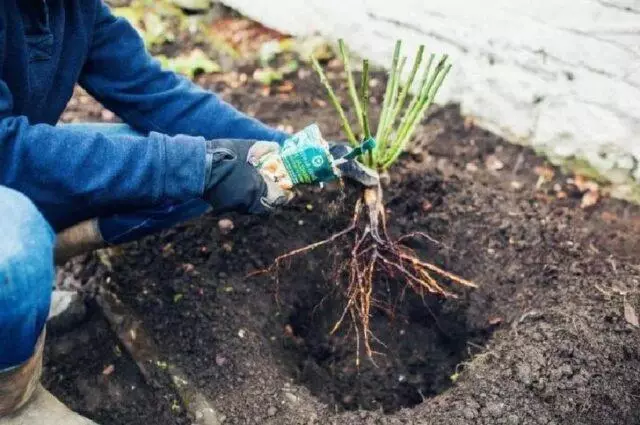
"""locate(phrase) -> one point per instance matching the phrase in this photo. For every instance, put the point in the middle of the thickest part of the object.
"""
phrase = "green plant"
(373, 253)
(398, 121)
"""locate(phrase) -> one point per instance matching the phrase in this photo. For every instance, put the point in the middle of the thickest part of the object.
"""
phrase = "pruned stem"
(387, 98)
(350, 83)
(334, 100)
(403, 95)
(407, 128)
(364, 95)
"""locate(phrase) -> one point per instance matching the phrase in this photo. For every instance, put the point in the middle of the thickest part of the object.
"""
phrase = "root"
(374, 253)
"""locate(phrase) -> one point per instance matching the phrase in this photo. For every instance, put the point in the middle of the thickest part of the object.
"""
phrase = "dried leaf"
(468, 123)
(589, 199)
(493, 163)
(630, 314)
(495, 320)
(191, 64)
(545, 174)
(585, 185)
(516, 185)
(286, 87)
(108, 370)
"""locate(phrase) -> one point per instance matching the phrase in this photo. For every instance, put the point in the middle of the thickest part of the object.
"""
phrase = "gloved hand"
(352, 169)
(233, 183)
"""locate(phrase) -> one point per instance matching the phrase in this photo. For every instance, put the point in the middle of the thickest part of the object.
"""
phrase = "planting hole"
(424, 343)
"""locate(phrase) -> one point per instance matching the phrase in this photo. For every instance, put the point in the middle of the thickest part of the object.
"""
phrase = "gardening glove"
(232, 181)
(352, 169)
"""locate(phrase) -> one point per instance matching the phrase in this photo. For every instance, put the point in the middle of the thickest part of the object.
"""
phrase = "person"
(182, 151)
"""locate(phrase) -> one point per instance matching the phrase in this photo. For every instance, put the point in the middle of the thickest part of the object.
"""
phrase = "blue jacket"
(46, 47)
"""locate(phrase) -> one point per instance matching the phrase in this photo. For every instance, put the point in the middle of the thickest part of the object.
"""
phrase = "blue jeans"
(26, 256)
(127, 227)
(26, 276)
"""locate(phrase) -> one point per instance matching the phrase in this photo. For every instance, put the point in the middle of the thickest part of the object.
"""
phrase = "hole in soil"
(423, 343)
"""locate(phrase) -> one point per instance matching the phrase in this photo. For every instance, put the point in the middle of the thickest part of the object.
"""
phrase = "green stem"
(364, 96)
(400, 147)
(386, 124)
(364, 99)
(350, 83)
(334, 100)
(416, 106)
(403, 95)
(421, 88)
(387, 96)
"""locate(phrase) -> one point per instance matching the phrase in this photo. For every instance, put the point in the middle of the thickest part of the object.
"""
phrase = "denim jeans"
(26, 256)
(127, 227)
(26, 276)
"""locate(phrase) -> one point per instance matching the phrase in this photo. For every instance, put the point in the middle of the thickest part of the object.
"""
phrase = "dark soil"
(543, 340)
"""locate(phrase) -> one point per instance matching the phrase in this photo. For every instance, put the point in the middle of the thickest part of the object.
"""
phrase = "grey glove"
(232, 182)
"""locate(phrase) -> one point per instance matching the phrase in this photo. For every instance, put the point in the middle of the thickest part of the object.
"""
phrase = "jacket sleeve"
(124, 77)
(67, 173)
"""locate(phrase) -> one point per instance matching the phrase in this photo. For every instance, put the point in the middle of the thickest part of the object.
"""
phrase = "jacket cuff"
(184, 166)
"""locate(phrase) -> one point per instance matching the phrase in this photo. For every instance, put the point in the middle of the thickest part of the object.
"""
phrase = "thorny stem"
(364, 95)
(334, 100)
(405, 132)
(388, 123)
(387, 98)
(403, 94)
(350, 83)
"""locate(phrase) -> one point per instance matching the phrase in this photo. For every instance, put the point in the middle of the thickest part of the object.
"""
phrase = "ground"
(547, 338)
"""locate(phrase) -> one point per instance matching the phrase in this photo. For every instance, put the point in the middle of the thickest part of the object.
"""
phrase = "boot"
(82, 238)
(23, 401)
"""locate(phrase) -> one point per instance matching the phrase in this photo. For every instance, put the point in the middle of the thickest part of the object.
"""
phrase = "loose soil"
(543, 340)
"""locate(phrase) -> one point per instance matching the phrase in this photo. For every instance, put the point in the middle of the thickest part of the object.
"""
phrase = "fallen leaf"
(545, 174)
(516, 185)
(319, 102)
(192, 64)
(630, 314)
(493, 163)
(495, 320)
(468, 123)
(471, 167)
(589, 199)
(585, 185)
(286, 87)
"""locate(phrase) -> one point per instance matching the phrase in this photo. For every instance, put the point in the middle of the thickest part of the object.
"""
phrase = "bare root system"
(374, 254)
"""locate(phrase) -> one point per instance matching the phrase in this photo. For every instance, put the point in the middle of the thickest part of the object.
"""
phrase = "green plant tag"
(306, 157)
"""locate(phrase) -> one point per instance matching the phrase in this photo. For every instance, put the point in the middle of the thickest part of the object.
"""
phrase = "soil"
(547, 338)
